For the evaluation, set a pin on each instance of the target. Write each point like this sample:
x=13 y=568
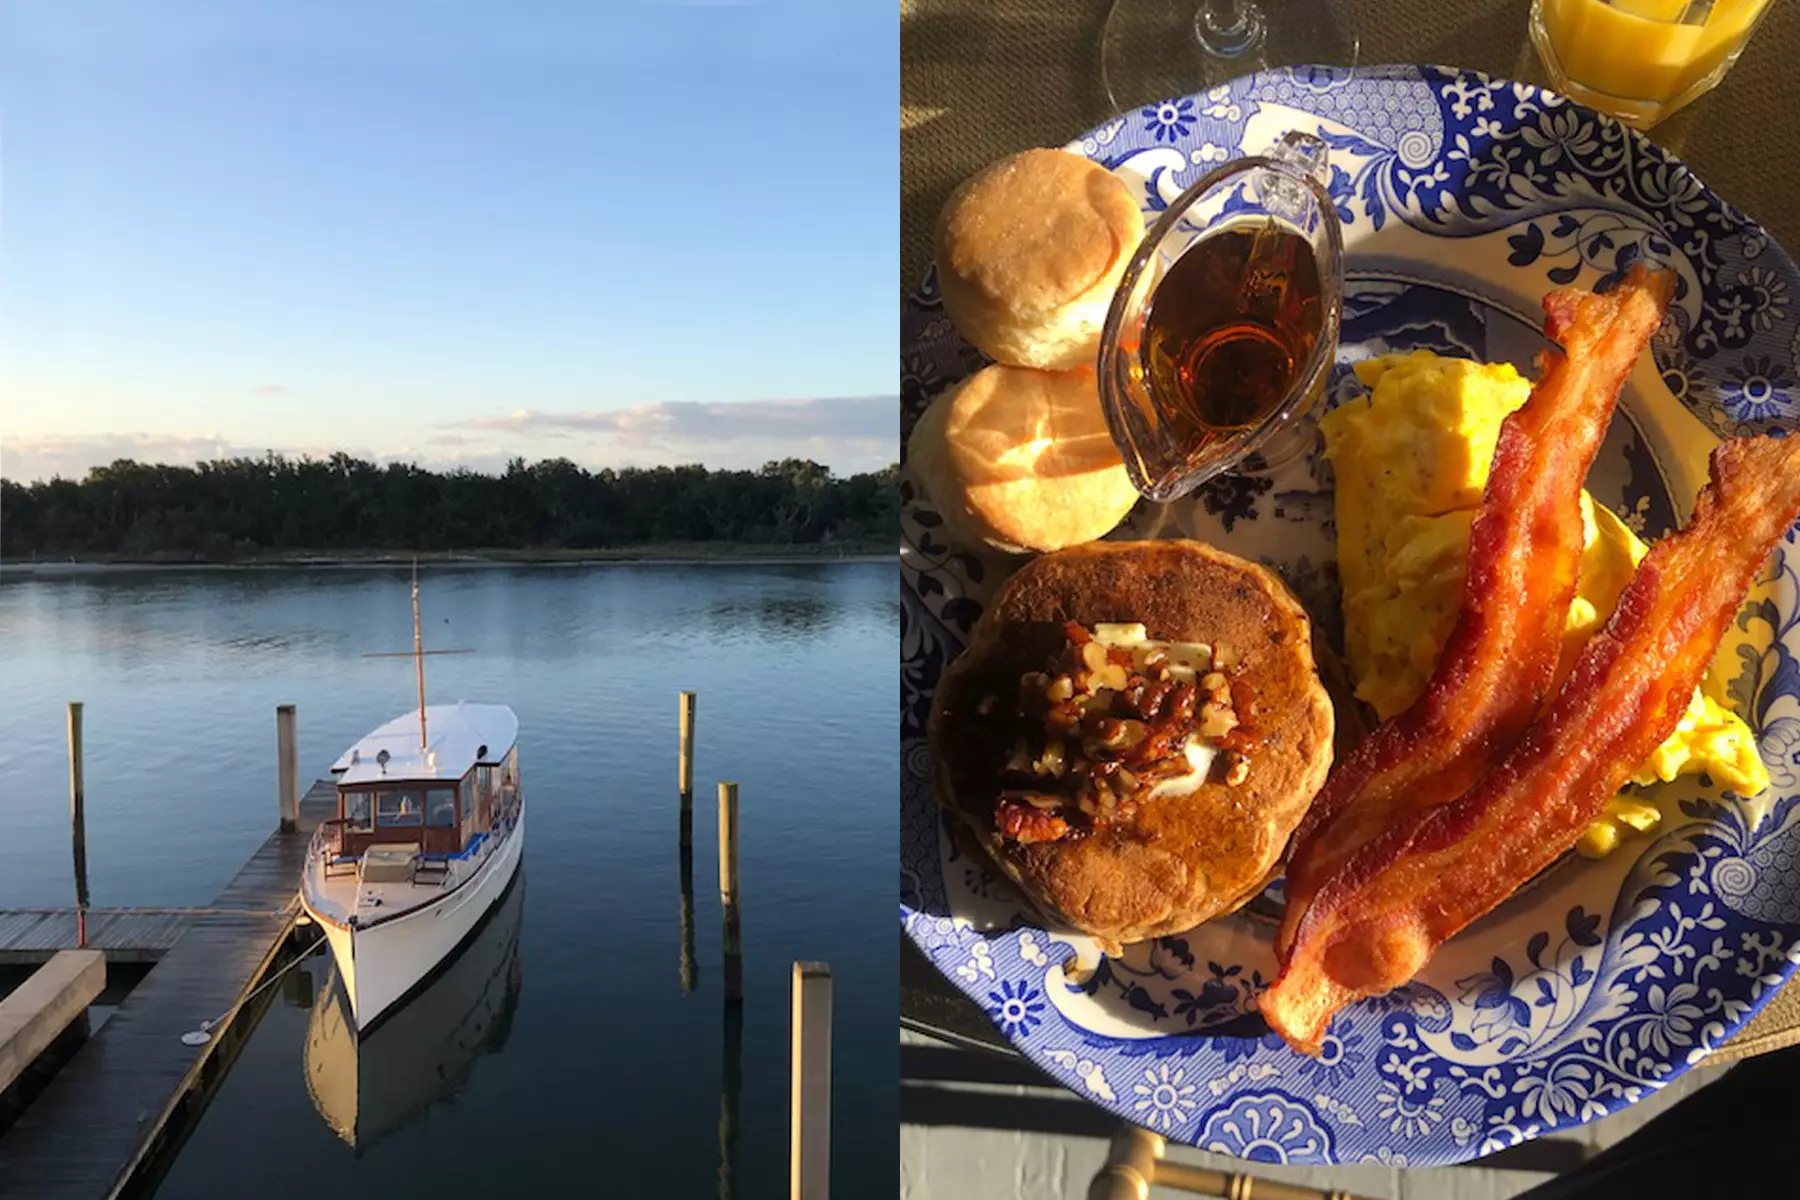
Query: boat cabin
x=442 y=799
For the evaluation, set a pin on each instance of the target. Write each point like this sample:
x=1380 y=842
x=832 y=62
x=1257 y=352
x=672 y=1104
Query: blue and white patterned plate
x=1463 y=200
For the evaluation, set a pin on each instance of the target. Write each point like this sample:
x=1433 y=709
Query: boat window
x=359 y=811
x=484 y=780
x=468 y=795
x=443 y=808
x=397 y=809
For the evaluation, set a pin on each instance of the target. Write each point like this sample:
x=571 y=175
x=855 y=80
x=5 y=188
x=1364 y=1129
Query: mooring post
x=78 y=821
x=809 y=1157
x=287 y=756
x=728 y=891
x=684 y=772
x=684 y=781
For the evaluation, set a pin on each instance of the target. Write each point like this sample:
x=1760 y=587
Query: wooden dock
x=32 y=936
x=102 y=1124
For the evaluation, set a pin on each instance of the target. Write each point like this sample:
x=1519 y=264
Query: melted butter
x=1200 y=757
x=1186 y=661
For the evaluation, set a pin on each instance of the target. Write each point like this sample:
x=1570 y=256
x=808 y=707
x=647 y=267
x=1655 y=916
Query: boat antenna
x=418 y=656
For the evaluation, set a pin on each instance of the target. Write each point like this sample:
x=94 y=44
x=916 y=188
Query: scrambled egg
x=1411 y=460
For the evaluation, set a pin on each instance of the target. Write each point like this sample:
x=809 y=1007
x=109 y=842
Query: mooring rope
x=202 y=1035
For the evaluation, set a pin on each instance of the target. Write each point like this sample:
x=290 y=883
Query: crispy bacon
x=1380 y=918
x=1524 y=558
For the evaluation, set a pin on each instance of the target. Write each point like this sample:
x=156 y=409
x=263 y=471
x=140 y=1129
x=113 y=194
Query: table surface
x=980 y=79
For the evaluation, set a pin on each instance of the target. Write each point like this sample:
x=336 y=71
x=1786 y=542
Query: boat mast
x=419 y=657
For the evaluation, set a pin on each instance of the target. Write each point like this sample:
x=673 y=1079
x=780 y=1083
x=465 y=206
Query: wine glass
x=1154 y=50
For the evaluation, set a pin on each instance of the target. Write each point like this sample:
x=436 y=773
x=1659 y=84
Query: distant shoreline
x=672 y=554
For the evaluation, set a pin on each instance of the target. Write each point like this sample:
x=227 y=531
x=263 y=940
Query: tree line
x=236 y=507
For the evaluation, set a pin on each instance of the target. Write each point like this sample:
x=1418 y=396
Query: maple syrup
x=1231 y=326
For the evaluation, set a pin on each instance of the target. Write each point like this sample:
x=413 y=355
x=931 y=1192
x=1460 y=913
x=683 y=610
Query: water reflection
x=688 y=970
x=733 y=1085
x=259 y=619
x=425 y=1052
x=777 y=615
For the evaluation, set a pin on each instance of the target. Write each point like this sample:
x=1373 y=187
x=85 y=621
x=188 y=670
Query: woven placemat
x=983 y=78
x=980 y=79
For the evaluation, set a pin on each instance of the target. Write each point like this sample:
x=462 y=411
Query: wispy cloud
x=72 y=455
x=26 y=458
x=270 y=389
x=849 y=434
x=854 y=418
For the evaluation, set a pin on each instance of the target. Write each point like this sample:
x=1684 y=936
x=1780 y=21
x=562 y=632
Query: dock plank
x=80 y=1137
x=33 y=937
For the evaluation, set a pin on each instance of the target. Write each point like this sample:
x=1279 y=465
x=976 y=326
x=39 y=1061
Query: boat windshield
x=444 y=818
x=359 y=811
x=443 y=808
x=397 y=808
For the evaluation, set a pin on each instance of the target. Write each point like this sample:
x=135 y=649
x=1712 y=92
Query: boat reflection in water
x=425 y=1050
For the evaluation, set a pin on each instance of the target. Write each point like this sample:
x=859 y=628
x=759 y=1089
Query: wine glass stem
x=1228 y=28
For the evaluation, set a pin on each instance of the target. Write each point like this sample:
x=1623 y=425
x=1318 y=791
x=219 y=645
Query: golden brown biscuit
x=1029 y=252
x=1176 y=861
x=1021 y=460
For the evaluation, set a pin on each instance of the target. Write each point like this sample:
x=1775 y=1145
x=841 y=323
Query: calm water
x=564 y=1051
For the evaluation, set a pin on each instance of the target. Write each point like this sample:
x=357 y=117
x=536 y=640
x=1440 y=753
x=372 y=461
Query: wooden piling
x=287 y=755
x=684 y=771
x=809 y=1158
x=728 y=830
x=78 y=808
x=728 y=892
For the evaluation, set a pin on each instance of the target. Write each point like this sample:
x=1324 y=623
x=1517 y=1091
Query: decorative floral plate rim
x=1605 y=1001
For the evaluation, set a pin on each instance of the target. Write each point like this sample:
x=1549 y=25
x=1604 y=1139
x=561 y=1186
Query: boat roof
x=462 y=736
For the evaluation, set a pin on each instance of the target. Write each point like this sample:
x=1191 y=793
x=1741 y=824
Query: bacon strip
x=1403 y=894
x=1524 y=559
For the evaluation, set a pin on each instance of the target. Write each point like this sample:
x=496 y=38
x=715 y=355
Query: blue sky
x=627 y=233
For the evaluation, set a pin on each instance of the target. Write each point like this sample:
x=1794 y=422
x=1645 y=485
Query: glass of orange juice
x=1640 y=60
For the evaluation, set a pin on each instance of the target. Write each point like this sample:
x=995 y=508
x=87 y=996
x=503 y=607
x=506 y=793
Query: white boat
x=369 y=1086
x=429 y=831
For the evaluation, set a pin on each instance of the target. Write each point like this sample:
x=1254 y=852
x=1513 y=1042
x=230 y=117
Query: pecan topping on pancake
x=1106 y=725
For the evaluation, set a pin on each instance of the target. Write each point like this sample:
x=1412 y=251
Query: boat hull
x=366 y=1086
x=383 y=965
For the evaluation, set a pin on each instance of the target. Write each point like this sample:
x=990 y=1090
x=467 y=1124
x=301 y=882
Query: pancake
x=1172 y=861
